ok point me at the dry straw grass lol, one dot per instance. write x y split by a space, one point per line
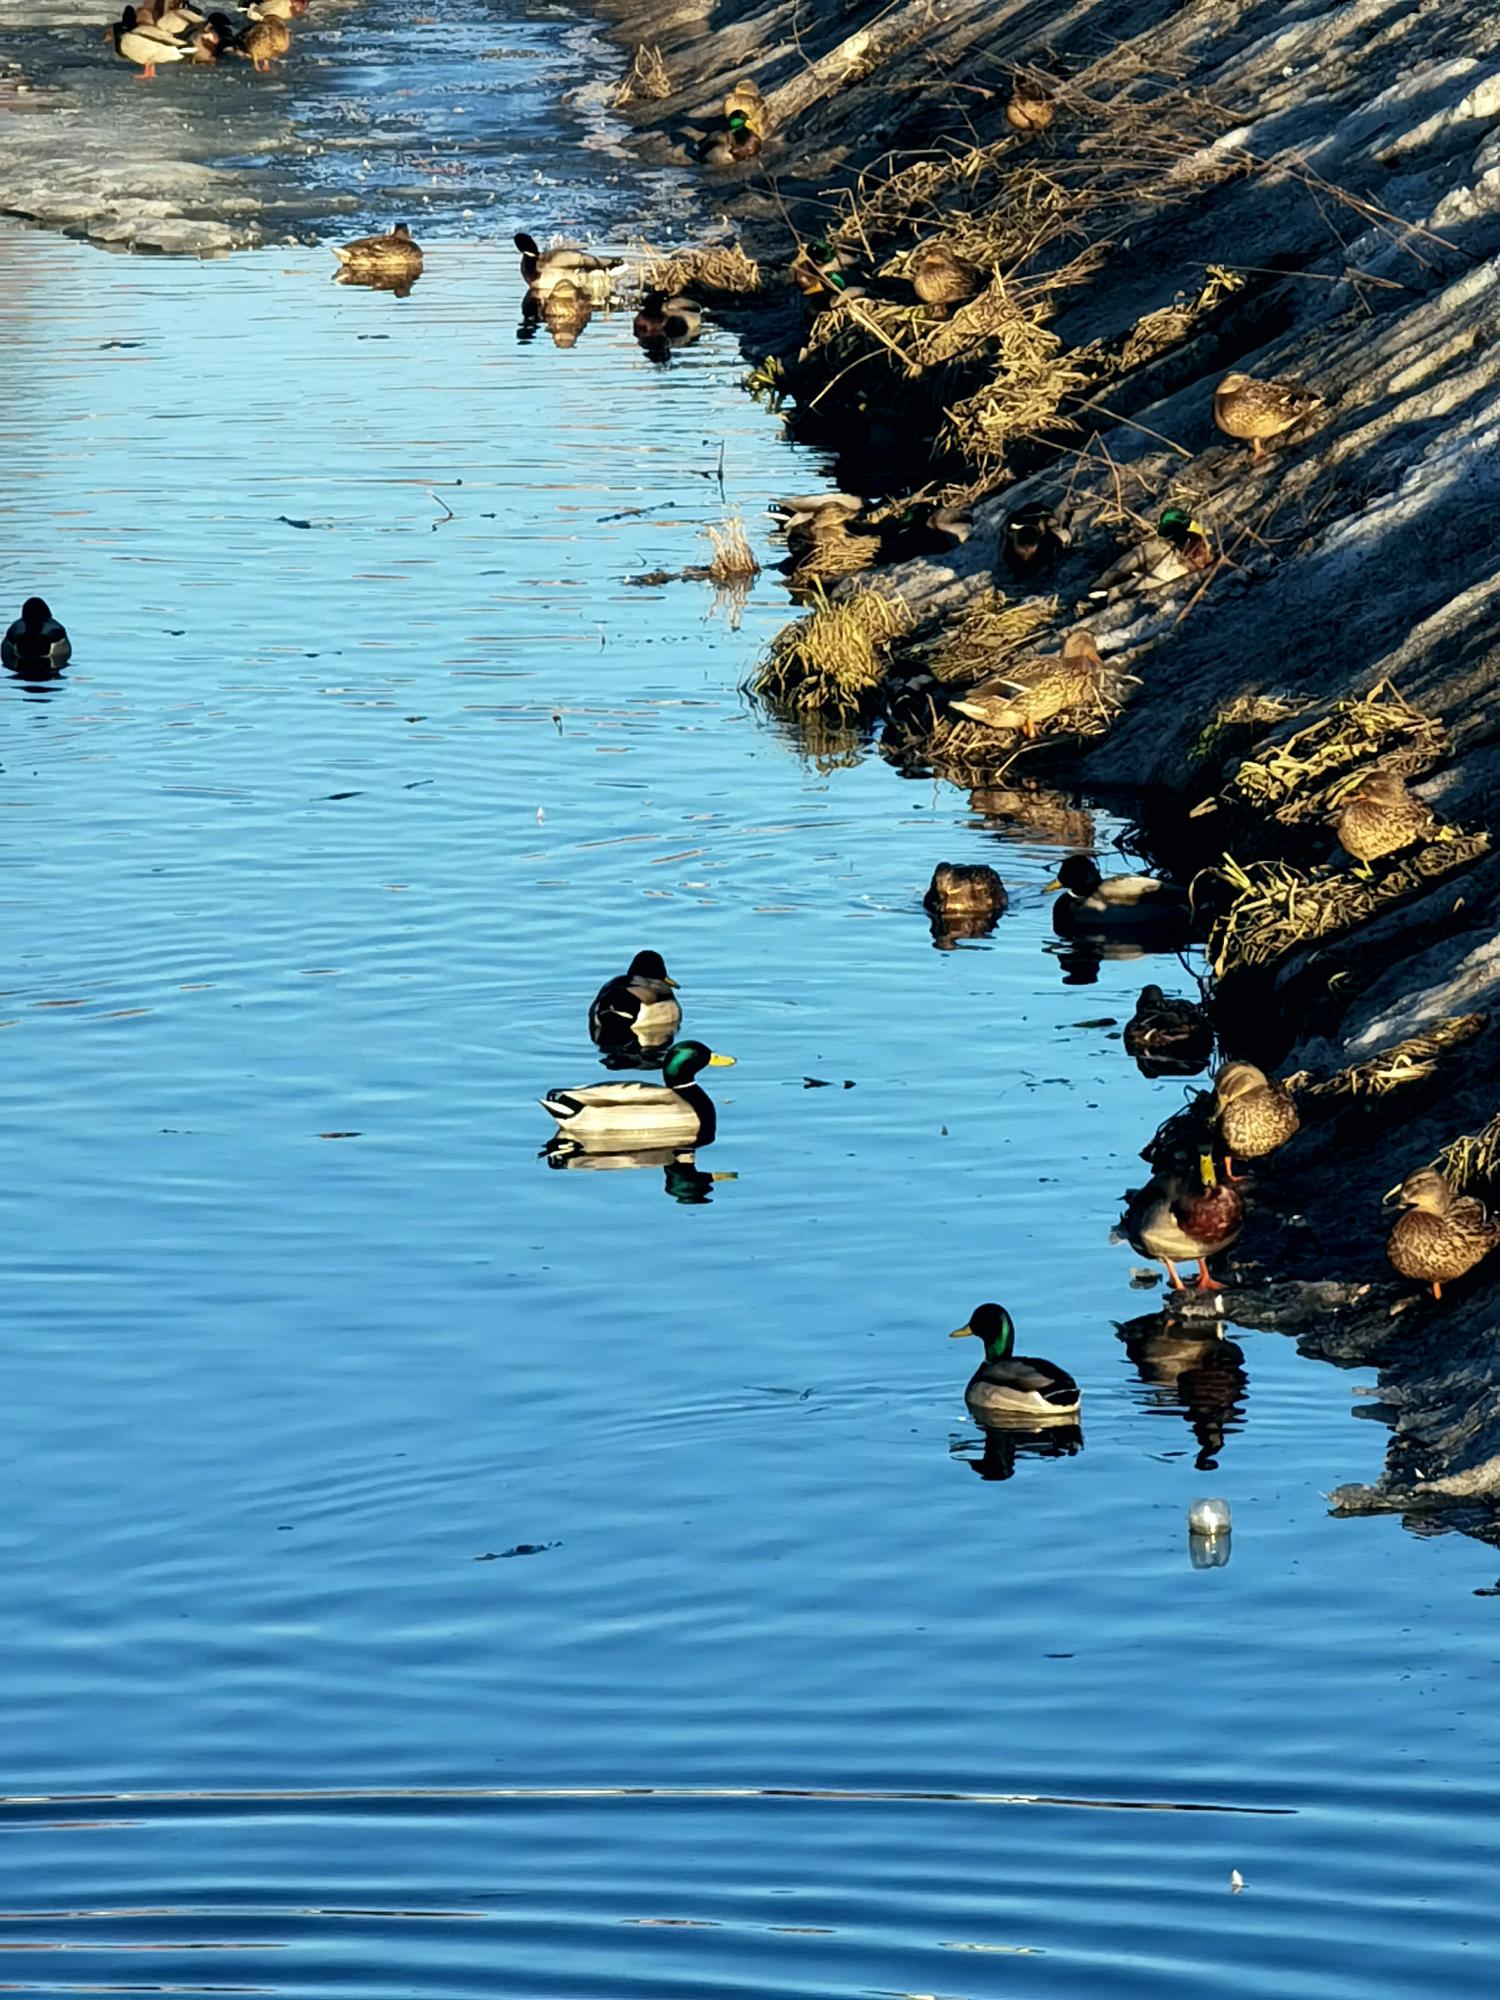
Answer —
734 561
1277 909
1413 1060
833 661
646 77
989 629
1298 779
1472 1163
717 270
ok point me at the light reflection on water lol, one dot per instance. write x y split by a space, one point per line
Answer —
314 858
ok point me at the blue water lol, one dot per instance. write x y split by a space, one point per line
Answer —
312 861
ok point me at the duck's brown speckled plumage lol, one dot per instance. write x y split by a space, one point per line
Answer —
939 278
1381 817
1256 1115
1252 410
1168 1037
1033 691
1440 1234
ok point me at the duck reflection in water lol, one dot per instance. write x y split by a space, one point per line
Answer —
683 1180
397 283
1192 1371
993 1455
565 312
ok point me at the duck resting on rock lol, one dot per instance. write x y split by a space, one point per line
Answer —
1440 1235
1256 1115
1381 818
1252 410
1036 690
1178 1217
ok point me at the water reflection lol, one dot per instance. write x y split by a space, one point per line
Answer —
683 1180
1194 1372
565 312
1032 810
398 284
999 1446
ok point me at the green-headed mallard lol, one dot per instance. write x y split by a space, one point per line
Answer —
821 270
1179 547
566 263
622 1117
393 255
1168 1037
1029 107
1441 1234
746 99
137 39
264 41
1032 540
638 1009
1092 904
1256 1115
939 278
738 141
1381 818
1178 1217
35 639
672 319
1006 1384
1249 409
1034 690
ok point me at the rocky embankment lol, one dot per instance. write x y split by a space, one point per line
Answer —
1307 191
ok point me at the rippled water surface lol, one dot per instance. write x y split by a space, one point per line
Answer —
422 1562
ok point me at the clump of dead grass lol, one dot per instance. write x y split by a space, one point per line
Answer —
734 561
1297 779
646 77
1277 909
715 270
833 661
991 627
1413 1060
1471 1164
1253 712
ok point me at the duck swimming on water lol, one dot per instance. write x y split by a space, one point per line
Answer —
1007 1384
623 1117
35 639
638 1009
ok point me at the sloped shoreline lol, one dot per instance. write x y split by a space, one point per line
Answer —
1342 163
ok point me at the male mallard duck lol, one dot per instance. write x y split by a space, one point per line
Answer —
1092 904
35 639
1006 1384
964 900
1381 818
1029 107
810 510
390 256
738 141
636 1010
744 98
1179 547
1441 1234
1168 1037
675 320
1249 409
1178 1216
137 39
1256 1115
210 41
620 1117
1034 691
264 41
1032 541
940 279
566 262
820 270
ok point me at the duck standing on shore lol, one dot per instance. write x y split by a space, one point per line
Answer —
1253 410
1029 107
138 39
1179 1217
35 640
1256 1115
1032 541
1440 1235
941 279
566 263
265 41
737 142
1382 818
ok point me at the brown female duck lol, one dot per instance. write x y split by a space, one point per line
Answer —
1440 1234
939 278
1168 1037
1034 691
1380 818
1256 1115
1252 410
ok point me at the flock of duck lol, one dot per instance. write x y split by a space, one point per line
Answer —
153 34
